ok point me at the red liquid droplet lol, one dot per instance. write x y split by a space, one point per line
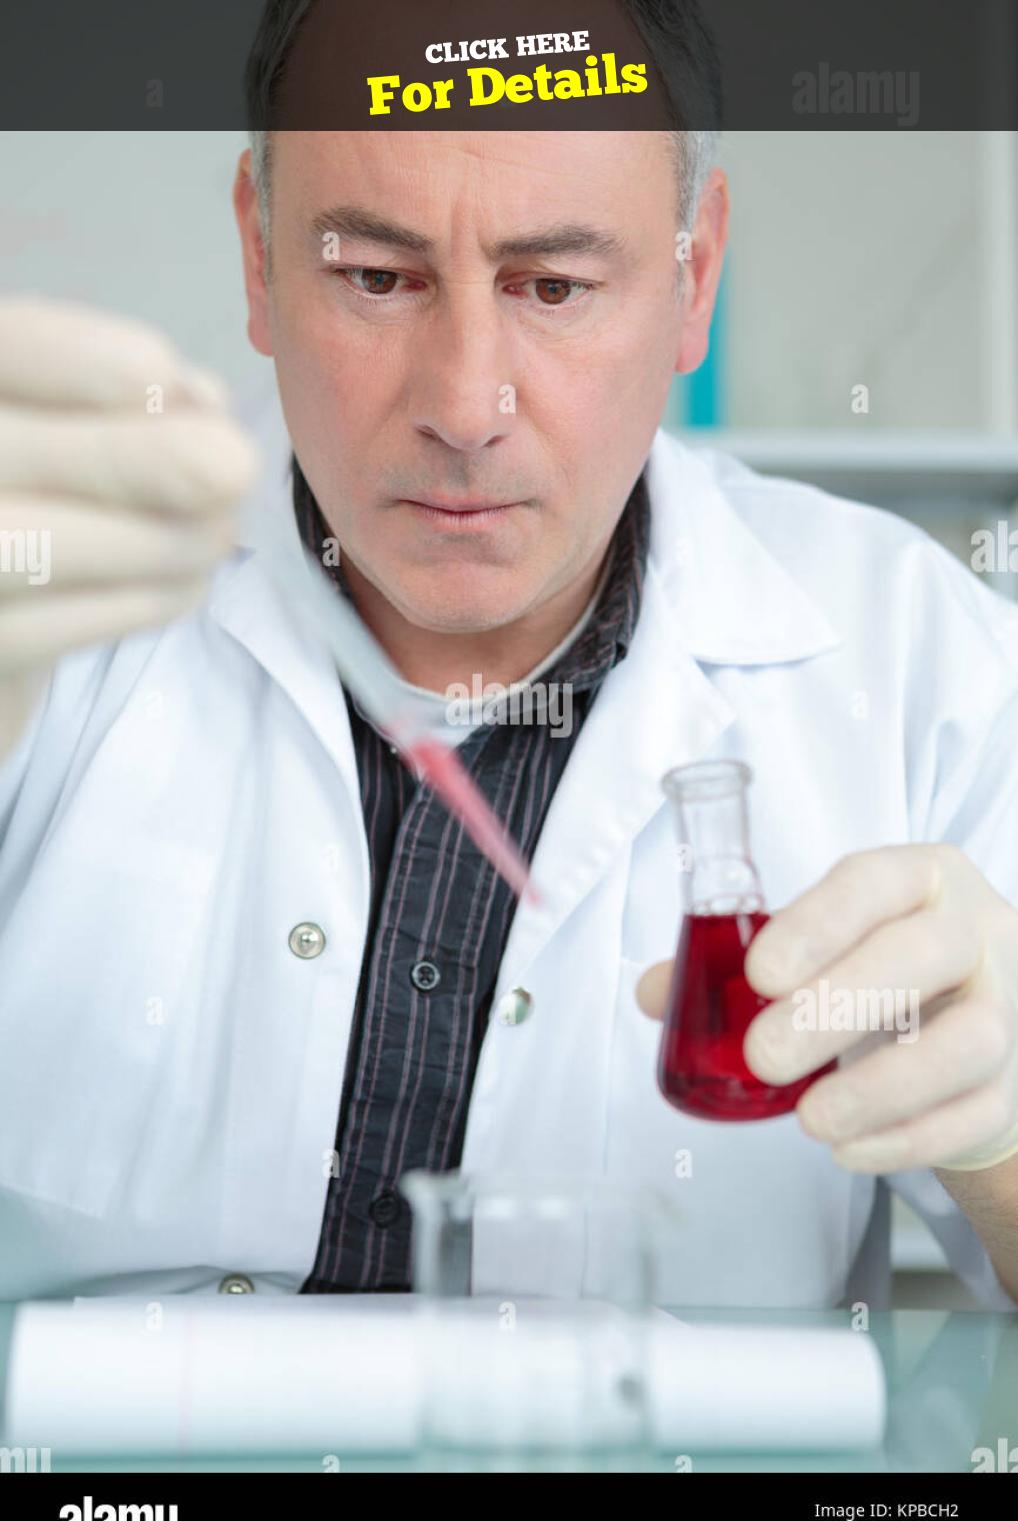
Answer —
710 1007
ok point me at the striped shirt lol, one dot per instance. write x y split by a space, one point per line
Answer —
439 920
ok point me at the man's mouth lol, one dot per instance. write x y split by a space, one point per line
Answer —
453 513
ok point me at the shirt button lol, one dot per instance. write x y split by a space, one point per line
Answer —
384 1208
514 1007
307 941
236 1283
425 975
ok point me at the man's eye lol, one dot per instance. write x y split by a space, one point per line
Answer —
375 280
558 292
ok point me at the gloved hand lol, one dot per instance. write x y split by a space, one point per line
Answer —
119 468
918 919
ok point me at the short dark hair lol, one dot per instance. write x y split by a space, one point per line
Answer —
266 61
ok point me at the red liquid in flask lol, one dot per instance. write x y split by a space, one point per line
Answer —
710 1007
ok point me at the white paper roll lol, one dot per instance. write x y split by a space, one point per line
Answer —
199 1375
758 1389
202 1375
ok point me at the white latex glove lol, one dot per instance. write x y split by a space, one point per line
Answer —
119 469
919 919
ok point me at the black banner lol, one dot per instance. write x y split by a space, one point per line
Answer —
399 65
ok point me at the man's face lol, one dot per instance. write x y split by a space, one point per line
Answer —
475 362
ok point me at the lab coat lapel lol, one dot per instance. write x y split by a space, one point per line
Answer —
655 710
712 594
248 605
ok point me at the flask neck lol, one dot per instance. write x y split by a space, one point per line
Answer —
718 872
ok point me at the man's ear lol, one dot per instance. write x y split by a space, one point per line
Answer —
245 207
702 272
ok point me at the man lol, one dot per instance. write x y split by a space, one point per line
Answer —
251 972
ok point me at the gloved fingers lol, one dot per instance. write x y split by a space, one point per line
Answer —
62 354
935 1060
912 959
969 1128
860 891
58 543
35 631
189 463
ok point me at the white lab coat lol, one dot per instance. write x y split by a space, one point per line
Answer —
182 799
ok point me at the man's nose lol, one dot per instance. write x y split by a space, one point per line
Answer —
463 390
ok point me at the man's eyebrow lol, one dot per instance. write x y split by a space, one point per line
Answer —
557 238
354 222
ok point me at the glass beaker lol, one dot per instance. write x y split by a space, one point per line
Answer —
701 1068
535 1305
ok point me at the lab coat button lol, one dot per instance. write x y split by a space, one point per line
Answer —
307 941
514 1007
236 1283
425 975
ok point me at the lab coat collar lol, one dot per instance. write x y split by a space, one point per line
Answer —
718 594
730 601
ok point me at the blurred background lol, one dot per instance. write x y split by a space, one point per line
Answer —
866 337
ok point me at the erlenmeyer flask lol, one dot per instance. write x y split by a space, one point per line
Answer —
701 1069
